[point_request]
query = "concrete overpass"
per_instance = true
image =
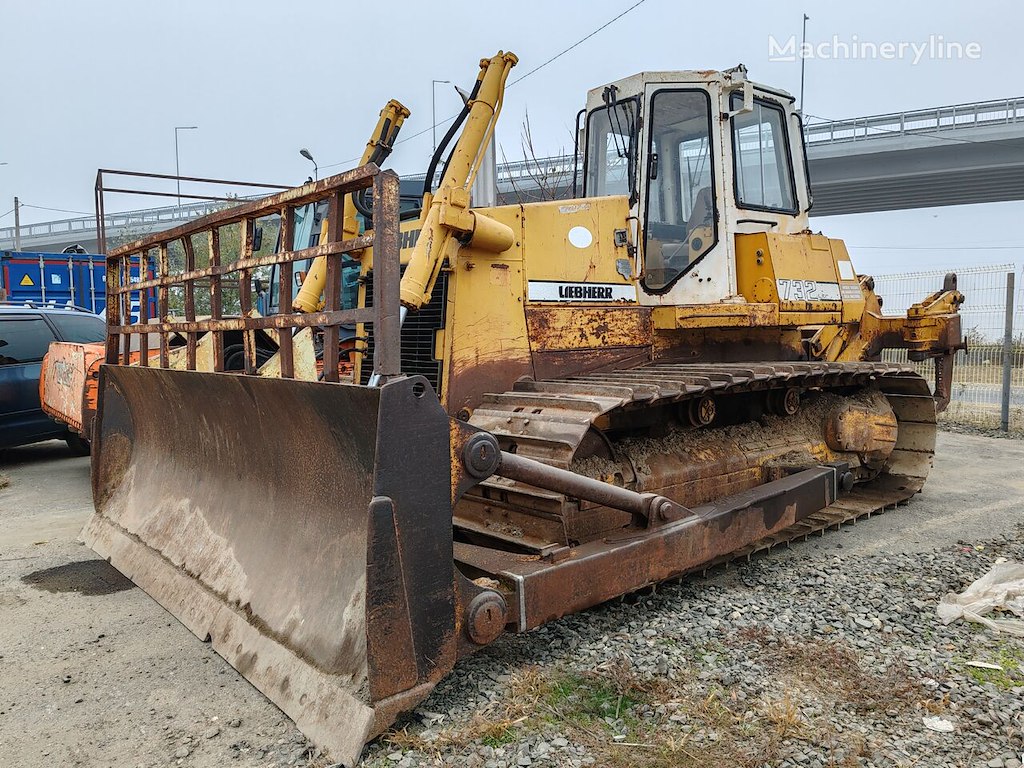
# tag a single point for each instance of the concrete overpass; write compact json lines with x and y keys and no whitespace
{"x":55,"y":236}
{"x":953,"y":155}
{"x":967,"y":153}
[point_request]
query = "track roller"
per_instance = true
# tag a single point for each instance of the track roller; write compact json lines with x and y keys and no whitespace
{"x":702,"y":411}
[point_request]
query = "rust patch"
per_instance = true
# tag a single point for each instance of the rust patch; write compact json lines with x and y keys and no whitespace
{"x":865,"y":425}
{"x":470,"y":380}
{"x":567,"y":328}
{"x":717,"y":316}
{"x":66,"y":391}
{"x":550,"y":365}
{"x":727,"y":345}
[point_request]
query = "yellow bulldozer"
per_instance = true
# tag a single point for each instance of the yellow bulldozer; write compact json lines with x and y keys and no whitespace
{"x":549,"y":404}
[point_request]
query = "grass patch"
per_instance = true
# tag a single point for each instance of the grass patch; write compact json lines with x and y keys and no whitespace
{"x":786,"y":718}
{"x":834,"y":669}
{"x":497,"y":726}
{"x":1010,"y":658}
{"x":602,"y":699}
{"x":629,"y":720}
{"x":500,"y":735}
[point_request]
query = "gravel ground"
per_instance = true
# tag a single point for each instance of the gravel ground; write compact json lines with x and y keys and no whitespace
{"x":823,"y":660}
{"x":828,"y":653}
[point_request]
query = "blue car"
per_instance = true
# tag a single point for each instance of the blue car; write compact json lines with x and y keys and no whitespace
{"x":26,"y":330}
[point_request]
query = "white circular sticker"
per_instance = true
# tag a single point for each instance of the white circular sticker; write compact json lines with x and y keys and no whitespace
{"x":580,"y":237}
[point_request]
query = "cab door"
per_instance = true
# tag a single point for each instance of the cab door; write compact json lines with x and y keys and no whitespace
{"x":685,"y":252}
{"x":24,"y":340}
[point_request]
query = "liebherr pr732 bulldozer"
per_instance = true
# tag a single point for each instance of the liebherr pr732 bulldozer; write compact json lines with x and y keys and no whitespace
{"x":552,"y":404}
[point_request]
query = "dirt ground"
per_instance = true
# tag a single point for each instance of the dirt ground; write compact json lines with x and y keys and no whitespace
{"x":94,"y":673}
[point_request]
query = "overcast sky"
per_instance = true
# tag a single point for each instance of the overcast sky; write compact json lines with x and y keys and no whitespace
{"x":104,"y":83}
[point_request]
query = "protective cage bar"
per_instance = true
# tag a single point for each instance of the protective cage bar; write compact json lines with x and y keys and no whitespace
{"x":384,"y":314}
{"x":101,"y":189}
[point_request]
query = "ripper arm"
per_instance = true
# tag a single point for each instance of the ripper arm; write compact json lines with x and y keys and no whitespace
{"x":930,"y":329}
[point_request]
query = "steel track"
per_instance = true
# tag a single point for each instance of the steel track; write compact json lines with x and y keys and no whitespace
{"x":549,"y":421}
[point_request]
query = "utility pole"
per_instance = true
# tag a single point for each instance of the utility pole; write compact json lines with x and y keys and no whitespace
{"x":17,"y":224}
{"x":803,"y":62}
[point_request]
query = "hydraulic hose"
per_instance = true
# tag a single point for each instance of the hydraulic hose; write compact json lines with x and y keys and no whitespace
{"x":446,"y":139}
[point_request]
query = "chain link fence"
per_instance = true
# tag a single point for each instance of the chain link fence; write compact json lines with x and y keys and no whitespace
{"x":983,"y":396}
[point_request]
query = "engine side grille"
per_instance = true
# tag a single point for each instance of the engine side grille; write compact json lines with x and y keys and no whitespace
{"x":418,"y":332}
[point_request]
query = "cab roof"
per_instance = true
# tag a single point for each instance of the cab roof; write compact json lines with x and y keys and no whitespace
{"x":634,"y":84}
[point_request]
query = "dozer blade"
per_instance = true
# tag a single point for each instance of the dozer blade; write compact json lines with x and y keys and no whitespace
{"x":302,"y":528}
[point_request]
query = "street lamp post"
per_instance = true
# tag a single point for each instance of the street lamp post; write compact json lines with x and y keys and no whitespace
{"x":177,"y":170}
{"x":316,"y":171}
{"x":803,"y":62}
{"x":433,"y":111}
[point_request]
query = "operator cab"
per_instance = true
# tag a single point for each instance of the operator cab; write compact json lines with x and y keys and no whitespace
{"x":702,"y":156}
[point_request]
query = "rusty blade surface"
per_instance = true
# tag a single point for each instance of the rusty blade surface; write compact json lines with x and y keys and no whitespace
{"x":211,"y":495}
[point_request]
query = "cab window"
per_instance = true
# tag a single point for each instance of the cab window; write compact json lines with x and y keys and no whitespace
{"x":23,"y":340}
{"x":764,"y":169}
{"x":680,"y":222}
{"x":80,"y":328}
{"x":611,"y":149}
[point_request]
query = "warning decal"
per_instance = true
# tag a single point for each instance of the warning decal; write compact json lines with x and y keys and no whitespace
{"x":26,"y":280}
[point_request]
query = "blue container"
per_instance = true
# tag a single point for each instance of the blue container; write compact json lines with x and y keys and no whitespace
{"x":61,"y":279}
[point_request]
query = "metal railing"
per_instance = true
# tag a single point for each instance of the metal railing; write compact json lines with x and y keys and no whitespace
{"x":51,"y":304}
{"x":87,"y":224}
{"x":988,"y":378}
{"x":920,"y":121}
{"x":555,"y":165}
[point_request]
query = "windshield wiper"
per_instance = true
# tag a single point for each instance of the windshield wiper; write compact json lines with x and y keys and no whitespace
{"x":623,"y":139}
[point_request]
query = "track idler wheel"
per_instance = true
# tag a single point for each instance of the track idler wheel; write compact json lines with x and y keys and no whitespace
{"x":702,"y":411}
{"x":784,"y":402}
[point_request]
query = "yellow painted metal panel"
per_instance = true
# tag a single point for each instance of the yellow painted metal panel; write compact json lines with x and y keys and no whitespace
{"x":755,"y":271}
{"x":798,"y":272}
{"x":485,"y":336}
{"x":796,"y":258}
{"x":849,"y":284}
{"x":551,"y":228}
